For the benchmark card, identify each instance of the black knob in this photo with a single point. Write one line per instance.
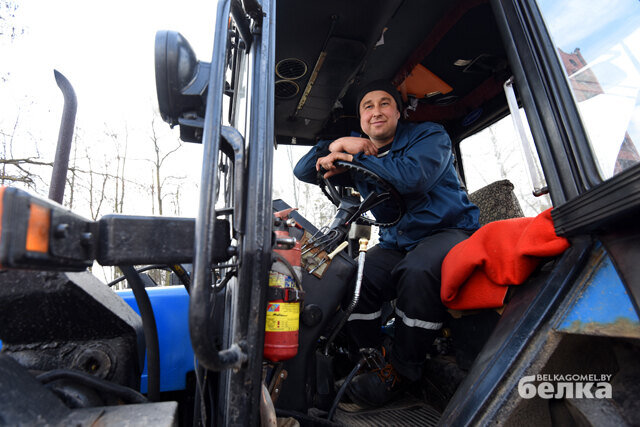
(311, 315)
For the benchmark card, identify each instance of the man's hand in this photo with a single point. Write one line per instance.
(353, 145)
(326, 163)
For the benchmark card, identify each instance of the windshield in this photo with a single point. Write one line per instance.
(598, 43)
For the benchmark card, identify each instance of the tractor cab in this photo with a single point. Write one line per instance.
(517, 95)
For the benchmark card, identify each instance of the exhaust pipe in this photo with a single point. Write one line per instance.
(65, 136)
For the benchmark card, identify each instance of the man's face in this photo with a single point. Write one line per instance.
(379, 116)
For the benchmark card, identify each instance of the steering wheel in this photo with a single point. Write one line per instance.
(371, 201)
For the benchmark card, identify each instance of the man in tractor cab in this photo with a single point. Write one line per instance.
(416, 158)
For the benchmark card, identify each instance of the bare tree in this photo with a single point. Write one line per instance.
(159, 181)
(97, 187)
(295, 183)
(508, 165)
(153, 194)
(21, 169)
(122, 173)
(159, 276)
(500, 148)
(71, 180)
(9, 31)
(176, 202)
(120, 167)
(308, 198)
(22, 173)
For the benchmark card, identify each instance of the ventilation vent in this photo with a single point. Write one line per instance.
(286, 89)
(291, 69)
(446, 100)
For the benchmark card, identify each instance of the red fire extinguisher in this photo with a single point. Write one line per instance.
(284, 298)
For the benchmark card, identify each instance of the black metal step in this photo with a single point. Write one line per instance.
(406, 412)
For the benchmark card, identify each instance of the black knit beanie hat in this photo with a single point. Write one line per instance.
(379, 85)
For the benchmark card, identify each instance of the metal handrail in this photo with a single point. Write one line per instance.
(236, 141)
(200, 302)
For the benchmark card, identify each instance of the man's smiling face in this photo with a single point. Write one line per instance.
(379, 116)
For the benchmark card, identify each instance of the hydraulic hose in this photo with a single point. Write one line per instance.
(127, 394)
(177, 269)
(139, 270)
(343, 388)
(356, 293)
(150, 331)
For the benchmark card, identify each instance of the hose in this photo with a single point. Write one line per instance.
(125, 393)
(139, 270)
(150, 331)
(343, 388)
(356, 294)
(177, 269)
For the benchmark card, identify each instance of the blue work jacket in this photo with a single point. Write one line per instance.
(419, 165)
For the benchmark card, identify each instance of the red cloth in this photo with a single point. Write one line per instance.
(476, 272)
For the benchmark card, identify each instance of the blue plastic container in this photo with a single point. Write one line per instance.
(171, 309)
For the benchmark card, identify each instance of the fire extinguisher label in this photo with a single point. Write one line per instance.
(282, 317)
(280, 280)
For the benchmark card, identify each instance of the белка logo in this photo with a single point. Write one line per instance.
(572, 386)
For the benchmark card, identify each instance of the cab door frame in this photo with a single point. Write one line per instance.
(587, 211)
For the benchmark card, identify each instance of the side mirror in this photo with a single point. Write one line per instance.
(181, 82)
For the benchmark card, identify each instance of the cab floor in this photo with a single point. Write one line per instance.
(408, 411)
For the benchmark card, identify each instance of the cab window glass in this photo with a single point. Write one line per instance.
(494, 154)
(598, 43)
(241, 102)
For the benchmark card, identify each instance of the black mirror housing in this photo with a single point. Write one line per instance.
(181, 81)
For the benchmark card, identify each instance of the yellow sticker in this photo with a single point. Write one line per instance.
(280, 280)
(283, 317)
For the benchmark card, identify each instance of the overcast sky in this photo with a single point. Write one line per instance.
(106, 50)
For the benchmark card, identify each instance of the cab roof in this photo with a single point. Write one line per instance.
(446, 57)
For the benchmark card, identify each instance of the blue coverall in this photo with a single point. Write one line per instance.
(406, 264)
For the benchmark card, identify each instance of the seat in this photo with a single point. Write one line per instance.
(470, 329)
(496, 201)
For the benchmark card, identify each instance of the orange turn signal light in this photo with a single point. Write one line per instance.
(38, 229)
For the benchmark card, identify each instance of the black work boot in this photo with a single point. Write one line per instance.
(378, 386)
